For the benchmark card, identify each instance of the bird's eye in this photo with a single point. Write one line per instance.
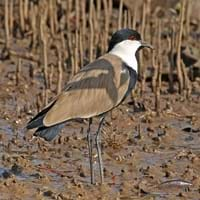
(131, 37)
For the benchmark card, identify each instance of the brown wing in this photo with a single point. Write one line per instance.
(96, 89)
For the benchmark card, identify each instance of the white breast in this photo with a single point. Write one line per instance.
(126, 50)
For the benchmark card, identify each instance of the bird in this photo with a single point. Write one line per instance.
(96, 89)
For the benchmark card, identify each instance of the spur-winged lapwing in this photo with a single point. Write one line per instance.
(95, 90)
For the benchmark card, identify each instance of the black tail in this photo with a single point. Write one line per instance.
(48, 133)
(37, 121)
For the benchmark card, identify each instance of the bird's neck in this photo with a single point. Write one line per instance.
(127, 52)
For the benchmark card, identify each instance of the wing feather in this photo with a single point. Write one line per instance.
(96, 89)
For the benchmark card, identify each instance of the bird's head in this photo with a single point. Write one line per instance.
(125, 43)
(127, 38)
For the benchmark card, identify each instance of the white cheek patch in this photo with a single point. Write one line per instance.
(126, 50)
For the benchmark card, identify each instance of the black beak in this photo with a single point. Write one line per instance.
(145, 44)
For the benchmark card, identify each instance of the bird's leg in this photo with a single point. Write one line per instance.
(90, 146)
(98, 145)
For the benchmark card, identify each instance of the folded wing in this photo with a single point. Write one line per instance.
(96, 89)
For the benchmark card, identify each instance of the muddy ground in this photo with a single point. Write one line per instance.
(145, 156)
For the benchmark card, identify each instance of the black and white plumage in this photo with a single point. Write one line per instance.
(95, 90)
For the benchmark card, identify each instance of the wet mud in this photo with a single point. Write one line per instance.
(145, 156)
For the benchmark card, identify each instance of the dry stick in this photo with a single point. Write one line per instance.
(155, 59)
(171, 58)
(151, 28)
(110, 7)
(43, 37)
(168, 50)
(91, 27)
(83, 18)
(120, 14)
(76, 57)
(142, 70)
(77, 13)
(125, 19)
(98, 26)
(95, 28)
(70, 50)
(26, 4)
(18, 71)
(178, 59)
(11, 17)
(55, 16)
(69, 36)
(44, 50)
(45, 96)
(149, 16)
(107, 22)
(99, 38)
(155, 74)
(45, 68)
(129, 19)
(7, 33)
(187, 84)
(110, 10)
(188, 14)
(21, 15)
(51, 17)
(60, 71)
(158, 84)
(135, 15)
(81, 48)
(68, 12)
(101, 34)
(39, 101)
(72, 55)
(50, 78)
(149, 3)
(99, 9)
(33, 14)
(25, 11)
(157, 95)
(64, 45)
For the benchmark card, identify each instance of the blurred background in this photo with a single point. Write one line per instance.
(47, 42)
(43, 43)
